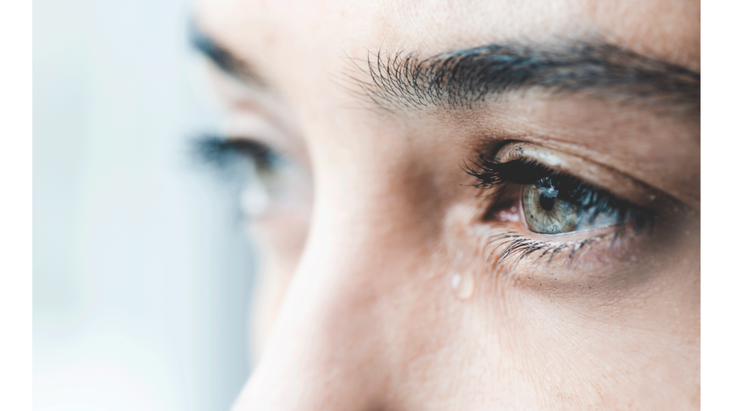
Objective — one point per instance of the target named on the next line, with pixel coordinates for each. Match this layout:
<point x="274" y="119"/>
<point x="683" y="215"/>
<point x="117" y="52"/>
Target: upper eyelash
<point x="220" y="151"/>
<point x="490" y="173"/>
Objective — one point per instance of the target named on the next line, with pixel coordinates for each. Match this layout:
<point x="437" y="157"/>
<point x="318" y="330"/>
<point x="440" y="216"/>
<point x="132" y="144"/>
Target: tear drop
<point x="463" y="285"/>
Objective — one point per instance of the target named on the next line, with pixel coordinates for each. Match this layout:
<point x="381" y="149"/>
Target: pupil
<point x="547" y="203"/>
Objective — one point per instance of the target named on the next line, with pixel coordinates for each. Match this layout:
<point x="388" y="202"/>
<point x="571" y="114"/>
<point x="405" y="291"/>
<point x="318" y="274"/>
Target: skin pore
<point x="373" y="213"/>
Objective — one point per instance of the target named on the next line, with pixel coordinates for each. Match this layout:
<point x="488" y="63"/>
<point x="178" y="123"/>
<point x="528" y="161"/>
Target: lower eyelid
<point x="515" y="245"/>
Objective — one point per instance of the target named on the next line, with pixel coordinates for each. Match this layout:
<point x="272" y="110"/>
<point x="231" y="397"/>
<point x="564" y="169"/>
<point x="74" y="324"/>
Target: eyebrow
<point x="223" y="58"/>
<point x="463" y="78"/>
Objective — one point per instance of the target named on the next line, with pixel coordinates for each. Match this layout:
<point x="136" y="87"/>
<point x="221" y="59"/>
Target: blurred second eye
<point x="269" y="180"/>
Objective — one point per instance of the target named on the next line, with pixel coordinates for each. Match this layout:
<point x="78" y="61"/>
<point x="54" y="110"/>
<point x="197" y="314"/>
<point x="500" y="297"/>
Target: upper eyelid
<point x="251" y="122"/>
<point x="535" y="172"/>
<point x="240" y="101"/>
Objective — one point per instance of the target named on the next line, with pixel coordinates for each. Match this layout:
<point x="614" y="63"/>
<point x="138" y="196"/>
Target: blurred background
<point x="142" y="271"/>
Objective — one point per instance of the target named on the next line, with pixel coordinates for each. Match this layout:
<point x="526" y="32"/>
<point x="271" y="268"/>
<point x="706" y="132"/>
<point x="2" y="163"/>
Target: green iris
<point x="553" y="206"/>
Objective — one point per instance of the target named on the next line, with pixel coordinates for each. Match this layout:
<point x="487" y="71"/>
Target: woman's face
<point x="467" y="204"/>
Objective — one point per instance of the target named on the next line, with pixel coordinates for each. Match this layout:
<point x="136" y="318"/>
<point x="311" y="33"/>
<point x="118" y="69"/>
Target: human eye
<point x="547" y="209"/>
<point x="270" y="180"/>
<point x="552" y="202"/>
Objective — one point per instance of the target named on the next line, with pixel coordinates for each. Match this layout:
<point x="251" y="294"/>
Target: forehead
<point x="666" y="29"/>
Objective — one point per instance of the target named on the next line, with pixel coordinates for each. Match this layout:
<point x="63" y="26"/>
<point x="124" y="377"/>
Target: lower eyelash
<point x="518" y="247"/>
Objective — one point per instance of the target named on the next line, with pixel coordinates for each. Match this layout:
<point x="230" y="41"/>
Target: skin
<point x="354" y="307"/>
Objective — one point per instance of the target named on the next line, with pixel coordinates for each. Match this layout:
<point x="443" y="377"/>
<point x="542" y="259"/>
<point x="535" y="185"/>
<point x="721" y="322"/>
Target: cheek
<point x="279" y="244"/>
<point x="269" y="293"/>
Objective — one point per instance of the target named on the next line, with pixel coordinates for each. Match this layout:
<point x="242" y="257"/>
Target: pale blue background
<point x="142" y="274"/>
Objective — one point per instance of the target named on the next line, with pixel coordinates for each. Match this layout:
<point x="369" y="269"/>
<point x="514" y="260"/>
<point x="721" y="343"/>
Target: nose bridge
<point x="324" y="349"/>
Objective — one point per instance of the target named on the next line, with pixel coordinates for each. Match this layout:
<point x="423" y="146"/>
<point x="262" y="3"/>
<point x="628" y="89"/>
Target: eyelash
<point x="491" y="174"/>
<point x="224" y="154"/>
<point x="520" y="247"/>
<point x="218" y="150"/>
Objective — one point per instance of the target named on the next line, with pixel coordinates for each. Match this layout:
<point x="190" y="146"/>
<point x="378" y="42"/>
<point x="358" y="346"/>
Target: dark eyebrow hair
<point x="463" y="78"/>
<point x="223" y="58"/>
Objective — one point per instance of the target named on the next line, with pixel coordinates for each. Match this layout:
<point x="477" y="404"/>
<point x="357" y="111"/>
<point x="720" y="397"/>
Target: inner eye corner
<point x="506" y="206"/>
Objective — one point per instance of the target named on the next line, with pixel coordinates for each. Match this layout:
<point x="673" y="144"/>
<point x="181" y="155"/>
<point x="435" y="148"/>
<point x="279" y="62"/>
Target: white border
<point x="16" y="205"/>
<point x="715" y="213"/>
